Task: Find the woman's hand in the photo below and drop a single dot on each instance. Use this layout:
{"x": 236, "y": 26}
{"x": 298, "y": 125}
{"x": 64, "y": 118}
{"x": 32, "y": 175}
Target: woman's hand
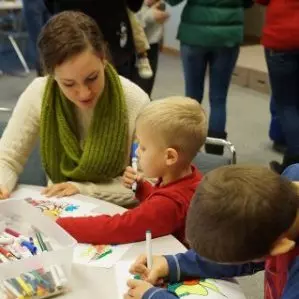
{"x": 60, "y": 190}
{"x": 4, "y": 194}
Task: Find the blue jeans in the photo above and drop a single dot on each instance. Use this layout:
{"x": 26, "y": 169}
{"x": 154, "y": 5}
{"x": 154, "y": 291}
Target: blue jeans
{"x": 36, "y": 15}
{"x": 275, "y": 130}
{"x": 221, "y": 62}
{"x": 283, "y": 69}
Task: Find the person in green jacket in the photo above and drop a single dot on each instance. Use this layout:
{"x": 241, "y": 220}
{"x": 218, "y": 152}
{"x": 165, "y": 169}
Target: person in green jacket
{"x": 210, "y": 33}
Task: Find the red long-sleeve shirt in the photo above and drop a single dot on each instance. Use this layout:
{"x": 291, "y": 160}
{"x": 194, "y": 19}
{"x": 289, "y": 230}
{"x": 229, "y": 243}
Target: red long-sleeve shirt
{"x": 162, "y": 210}
{"x": 281, "y": 29}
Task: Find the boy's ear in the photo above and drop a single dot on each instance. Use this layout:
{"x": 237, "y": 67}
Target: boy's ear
{"x": 281, "y": 246}
{"x": 171, "y": 156}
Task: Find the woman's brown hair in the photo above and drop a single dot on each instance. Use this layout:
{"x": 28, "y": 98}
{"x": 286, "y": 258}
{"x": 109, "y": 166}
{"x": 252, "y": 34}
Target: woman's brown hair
{"x": 67, "y": 34}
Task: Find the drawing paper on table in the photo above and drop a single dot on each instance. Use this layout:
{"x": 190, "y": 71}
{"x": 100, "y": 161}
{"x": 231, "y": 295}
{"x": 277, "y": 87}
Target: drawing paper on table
{"x": 122, "y": 275}
{"x": 58, "y": 207}
{"x": 104, "y": 256}
{"x": 193, "y": 289}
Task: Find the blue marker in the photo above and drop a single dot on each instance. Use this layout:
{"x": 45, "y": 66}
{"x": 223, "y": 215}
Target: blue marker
{"x": 30, "y": 246}
{"x": 134, "y": 163}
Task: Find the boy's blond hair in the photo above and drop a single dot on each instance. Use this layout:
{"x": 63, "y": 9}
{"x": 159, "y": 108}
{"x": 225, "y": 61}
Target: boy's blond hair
{"x": 180, "y": 122}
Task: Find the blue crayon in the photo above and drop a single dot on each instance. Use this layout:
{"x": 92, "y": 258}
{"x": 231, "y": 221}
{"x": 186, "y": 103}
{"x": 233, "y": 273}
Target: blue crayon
{"x": 32, "y": 248}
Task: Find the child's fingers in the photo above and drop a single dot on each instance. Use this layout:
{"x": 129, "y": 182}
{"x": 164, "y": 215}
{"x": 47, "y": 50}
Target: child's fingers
{"x": 139, "y": 269}
{"x": 131, "y": 176}
{"x": 128, "y": 181}
{"x": 130, "y": 169}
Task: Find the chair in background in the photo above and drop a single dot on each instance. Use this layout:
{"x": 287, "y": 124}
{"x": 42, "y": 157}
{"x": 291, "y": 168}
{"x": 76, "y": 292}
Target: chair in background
{"x": 207, "y": 162}
{"x": 11, "y": 28}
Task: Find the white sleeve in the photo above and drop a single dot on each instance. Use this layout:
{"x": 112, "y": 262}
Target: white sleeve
{"x": 21, "y": 133}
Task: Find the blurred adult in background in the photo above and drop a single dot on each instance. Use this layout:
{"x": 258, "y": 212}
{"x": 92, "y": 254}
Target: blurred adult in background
{"x": 210, "y": 33}
{"x": 152, "y": 16}
{"x": 281, "y": 42}
{"x": 112, "y": 18}
{"x": 275, "y": 129}
{"x": 36, "y": 16}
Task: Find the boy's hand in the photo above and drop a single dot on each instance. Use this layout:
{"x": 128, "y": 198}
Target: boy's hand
{"x": 130, "y": 176}
{"x": 4, "y": 194}
{"x": 159, "y": 269}
{"x": 137, "y": 289}
{"x": 60, "y": 190}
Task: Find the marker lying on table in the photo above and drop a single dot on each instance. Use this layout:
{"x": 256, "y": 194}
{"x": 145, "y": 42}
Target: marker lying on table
{"x": 17, "y": 235}
{"x": 56, "y": 272}
{"x": 7, "y": 254}
{"x": 149, "y": 256}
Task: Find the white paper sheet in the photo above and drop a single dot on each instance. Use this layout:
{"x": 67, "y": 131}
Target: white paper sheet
{"x": 70, "y": 207}
{"x": 208, "y": 289}
{"x": 84, "y": 252}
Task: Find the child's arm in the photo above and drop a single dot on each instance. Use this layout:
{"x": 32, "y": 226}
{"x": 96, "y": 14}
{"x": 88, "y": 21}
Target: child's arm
{"x": 190, "y": 264}
{"x": 159, "y": 214}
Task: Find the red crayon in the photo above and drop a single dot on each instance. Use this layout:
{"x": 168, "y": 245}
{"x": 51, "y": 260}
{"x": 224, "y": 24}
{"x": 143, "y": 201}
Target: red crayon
{"x": 6, "y": 253}
{"x": 12, "y": 232}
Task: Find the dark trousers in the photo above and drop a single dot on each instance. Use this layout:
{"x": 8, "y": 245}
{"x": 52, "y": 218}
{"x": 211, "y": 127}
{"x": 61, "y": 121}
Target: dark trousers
{"x": 36, "y": 15}
{"x": 283, "y": 69}
{"x": 221, "y": 62}
{"x": 153, "y": 56}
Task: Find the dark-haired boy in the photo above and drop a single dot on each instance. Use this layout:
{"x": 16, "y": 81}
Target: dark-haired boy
{"x": 239, "y": 217}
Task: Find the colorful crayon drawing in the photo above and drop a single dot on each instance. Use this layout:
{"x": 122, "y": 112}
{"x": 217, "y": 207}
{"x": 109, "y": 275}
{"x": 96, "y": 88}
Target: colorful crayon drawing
{"x": 200, "y": 287}
{"x": 96, "y": 252}
{"x": 51, "y": 207}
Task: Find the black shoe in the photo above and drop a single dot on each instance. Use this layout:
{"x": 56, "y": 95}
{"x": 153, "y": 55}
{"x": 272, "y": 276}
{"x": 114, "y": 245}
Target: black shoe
{"x": 287, "y": 161}
{"x": 214, "y": 148}
{"x": 276, "y": 167}
{"x": 279, "y": 147}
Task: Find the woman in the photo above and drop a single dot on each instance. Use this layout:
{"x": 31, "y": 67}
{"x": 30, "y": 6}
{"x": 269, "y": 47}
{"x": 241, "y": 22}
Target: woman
{"x": 281, "y": 42}
{"x": 210, "y": 33}
{"x": 83, "y": 111}
{"x": 112, "y": 17}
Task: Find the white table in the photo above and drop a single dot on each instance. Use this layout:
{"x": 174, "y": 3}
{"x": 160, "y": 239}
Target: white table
{"x": 89, "y": 282}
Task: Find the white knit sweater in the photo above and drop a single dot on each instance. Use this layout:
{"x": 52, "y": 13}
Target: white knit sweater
{"x": 22, "y": 131}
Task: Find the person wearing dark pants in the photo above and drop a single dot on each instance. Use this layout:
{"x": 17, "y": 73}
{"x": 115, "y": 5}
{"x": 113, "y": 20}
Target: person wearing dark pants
{"x": 148, "y": 84}
{"x": 36, "y": 16}
{"x": 152, "y": 16}
{"x": 275, "y": 130}
{"x": 112, "y": 18}
{"x": 210, "y": 33}
{"x": 281, "y": 41}
{"x": 283, "y": 69}
{"x": 221, "y": 62}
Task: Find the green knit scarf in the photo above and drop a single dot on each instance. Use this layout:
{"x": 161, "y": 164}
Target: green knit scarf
{"x": 105, "y": 147}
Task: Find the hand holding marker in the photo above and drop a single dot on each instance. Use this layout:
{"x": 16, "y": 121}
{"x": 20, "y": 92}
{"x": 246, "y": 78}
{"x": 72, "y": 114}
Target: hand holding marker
{"x": 134, "y": 163}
